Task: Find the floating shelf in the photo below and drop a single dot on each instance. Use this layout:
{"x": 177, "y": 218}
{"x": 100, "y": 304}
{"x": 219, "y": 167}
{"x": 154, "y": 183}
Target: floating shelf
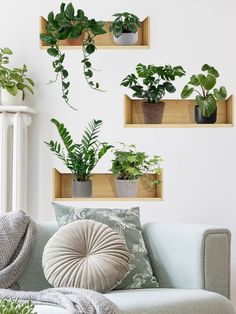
{"x": 105, "y": 41}
{"x": 177, "y": 114}
{"x": 103, "y": 189}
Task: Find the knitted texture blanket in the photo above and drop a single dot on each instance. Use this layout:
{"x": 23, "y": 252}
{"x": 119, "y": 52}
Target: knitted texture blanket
{"x": 75, "y": 301}
{"x": 17, "y": 236}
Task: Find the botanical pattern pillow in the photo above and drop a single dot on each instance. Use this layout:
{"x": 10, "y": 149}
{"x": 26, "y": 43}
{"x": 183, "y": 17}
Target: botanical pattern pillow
{"x": 127, "y": 223}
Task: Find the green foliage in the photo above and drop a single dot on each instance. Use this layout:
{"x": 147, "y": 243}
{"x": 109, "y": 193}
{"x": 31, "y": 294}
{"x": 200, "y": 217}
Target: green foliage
{"x": 15, "y": 307}
{"x": 129, "y": 164}
{"x": 207, "y": 95}
{"x": 124, "y": 23}
{"x": 71, "y": 24}
{"x": 13, "y": 79}
{"x": 80, "y": 158}
{"x": 152, "y": 82}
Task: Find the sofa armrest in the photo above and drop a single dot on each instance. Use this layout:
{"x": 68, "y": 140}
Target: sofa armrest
{"x": 189, "y": 256}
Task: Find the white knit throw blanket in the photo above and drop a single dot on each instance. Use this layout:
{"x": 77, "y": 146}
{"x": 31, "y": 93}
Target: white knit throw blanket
{"x": 17, "y": 236}
{"x": 75, "y": 301}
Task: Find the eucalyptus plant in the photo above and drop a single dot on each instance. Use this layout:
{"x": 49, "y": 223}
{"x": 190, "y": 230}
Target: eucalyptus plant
{"x": 203, "y": 84}
{"x": 15, "y": 307}
{"x": 151, "y": 82}
{"x": 124, "y": 23}
{"x": 14, "y": 79}
{"x": 130, "y": 164}
{"x": 71, "y": 24}
{"x": 80, "y": 158}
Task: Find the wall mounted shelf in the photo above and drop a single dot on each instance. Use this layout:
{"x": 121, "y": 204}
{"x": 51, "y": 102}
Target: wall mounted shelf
{"x": 103, "y": 189}
{"x": 105, "y": 41}
{"x": 177, "y": 114}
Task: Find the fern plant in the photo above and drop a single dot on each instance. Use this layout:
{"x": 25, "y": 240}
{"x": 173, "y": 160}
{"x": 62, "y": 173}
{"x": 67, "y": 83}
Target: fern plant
{"x": 79, "y": 158}
{"x": 15, "y": 307}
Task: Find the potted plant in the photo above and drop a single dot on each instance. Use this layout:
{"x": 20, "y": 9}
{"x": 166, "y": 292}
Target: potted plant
{"x": 207, "y": 96}
{"x": 80, "y": 158}
{"x": 16, "y": 307}
{"x": 151, "y": 84}
{"x": 13, "y": 82}
{"x": 73, "y": 25}
{"x": 125, "y": 28}
{"x": 128, "y": 165}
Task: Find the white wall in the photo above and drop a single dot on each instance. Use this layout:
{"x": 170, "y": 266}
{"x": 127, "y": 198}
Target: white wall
{"x": 200, "y": 172}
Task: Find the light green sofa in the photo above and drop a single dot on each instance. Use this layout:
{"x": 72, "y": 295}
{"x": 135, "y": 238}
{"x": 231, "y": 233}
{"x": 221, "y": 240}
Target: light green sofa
{"x": 191, "y": 262}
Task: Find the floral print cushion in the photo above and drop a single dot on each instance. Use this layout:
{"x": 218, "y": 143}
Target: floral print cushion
{"x": 127, "y": 223}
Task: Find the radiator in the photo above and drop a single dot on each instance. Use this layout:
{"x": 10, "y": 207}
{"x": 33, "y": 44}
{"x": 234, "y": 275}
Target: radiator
{"x": 14, "y": 123}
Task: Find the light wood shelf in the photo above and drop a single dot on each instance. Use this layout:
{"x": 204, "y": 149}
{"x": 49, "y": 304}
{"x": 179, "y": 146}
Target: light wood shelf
{"x": 103, "y": 188}
{"x": 105, "y": 41}
{"x": 177, "y": 114}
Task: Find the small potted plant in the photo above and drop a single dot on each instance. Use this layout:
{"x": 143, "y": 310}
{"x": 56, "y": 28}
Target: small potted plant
{"x": 80, "y": 158}
{"x": 125, "y": 28}
{"x": 128, "y": 165}
{"x": 13, "y": 82}
{"x": 16, "y": 307}
{"x": 207, "y": 96}
{"x": 151, "y": 84}
{"x": 73, "y": 25}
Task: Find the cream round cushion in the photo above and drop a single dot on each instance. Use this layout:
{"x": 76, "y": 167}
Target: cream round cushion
{"x": 86, "y": 254}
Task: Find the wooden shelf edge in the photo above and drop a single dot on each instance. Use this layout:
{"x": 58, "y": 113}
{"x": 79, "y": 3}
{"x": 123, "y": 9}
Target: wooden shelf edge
{"x": 96, "y": 199}
{"x": 115, "y": 47}
{"x": 216, "y": 125}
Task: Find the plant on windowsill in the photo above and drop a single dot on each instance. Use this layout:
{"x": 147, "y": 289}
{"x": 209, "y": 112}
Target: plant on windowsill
{"x": 71, "y": 25}
{"x": 80, "y": 158}
{"x": 125, "y": 28}
{"x": 207, "y": 95}
{"x": 15, "y": 307}
{"x": 13, "y": 82}
{"x": 128, "y": 165}
{"x": 151, "y": 84}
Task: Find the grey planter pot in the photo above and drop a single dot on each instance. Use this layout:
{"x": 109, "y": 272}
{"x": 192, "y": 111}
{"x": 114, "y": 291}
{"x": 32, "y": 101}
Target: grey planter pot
{"x": 127, "y": 188}
{"x": 81, "y": 189}
{"x": 126, "y": 39}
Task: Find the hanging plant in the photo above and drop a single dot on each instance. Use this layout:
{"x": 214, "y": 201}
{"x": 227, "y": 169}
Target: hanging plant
{"x": 69, "y": 24}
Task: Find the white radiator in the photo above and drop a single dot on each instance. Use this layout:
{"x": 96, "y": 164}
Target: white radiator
{"x": 14, "y": 122}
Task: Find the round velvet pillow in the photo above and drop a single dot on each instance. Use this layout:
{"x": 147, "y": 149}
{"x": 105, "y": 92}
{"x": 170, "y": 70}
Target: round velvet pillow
{"x": 86, "y": 254}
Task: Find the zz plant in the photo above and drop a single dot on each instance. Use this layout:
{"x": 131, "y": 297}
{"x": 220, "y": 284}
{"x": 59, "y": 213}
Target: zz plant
{"x": 204, "y": 85}
{"x": 15, "y": 307}
{"x": 124, "y": 23}
{"x": 71, "y": 24}
{"x": 13, "y": 80}
{"x": 151, "y": 82}
{"x": 79, "y": 158}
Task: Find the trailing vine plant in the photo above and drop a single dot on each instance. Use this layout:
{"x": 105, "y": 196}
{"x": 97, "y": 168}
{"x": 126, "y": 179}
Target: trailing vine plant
{"x": 71, "y": 24}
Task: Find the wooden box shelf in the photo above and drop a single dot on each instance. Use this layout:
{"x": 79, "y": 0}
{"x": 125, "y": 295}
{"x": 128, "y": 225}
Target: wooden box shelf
{"x": 105, "y": 41}
{"x": 103, "y": 189}
{"x": 177, "y": 114}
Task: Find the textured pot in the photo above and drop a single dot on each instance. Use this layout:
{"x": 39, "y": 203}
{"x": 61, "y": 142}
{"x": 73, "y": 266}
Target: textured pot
{"x": 81, "y": 188}
{"x": 9, "y": 100}
{"x": 153, "y": 112}
{"x": 126, "y": 39}
{"x": 127, "y": 188}
{"x": 199, "y": 118}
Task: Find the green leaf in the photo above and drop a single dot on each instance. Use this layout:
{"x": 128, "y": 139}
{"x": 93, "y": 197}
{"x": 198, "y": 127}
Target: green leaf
{"x": 51, "y": 17}
{"x": 52, "y": 52}
{"x": 186, "y": 92}
{"x": 207, "y": 82}
{"x": 30, "y": 81}
{"x": 220, "y": 94}
{"x": 210, "y": 70}
{"x": 90, "y": 48}
{"x": 89, "y": 73}
{"x": 169, "y": 87}
{"x": 69, "y": 11}
{"x": 194, "y": 80}
{"x": 207, "y": 105}
{"x": 7, "y": 51}
{"x": 12, "y": 90}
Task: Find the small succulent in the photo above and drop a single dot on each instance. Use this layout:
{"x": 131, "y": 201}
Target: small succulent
{"x": 16, "y": 307}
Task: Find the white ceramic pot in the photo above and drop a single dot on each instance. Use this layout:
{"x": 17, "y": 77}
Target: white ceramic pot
{"x": 127, "y": 188}
{"x": 81, "y": 188}
{"x": 9, "y": 100}
{"x": 126, "y": 39}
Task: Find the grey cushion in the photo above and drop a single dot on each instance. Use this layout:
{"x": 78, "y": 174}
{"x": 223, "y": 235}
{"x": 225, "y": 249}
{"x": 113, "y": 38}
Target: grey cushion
{"x": 127, "y": 223}
{"x": 86, "y": 254}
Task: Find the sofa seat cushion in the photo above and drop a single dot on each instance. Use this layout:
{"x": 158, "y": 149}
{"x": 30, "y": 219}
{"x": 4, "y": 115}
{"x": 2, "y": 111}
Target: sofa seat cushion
{"x": 170, "y": 301}
{"x": 48, "y": 309}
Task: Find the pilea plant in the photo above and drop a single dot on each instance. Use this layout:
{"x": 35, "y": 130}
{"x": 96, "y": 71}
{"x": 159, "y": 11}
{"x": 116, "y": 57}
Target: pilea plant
{"x": 14, "y": 79}
{"x": 71, "y": 24}
{"x": 124, "y": 23}
{"x": 203, "y": 84}
{"x": 15, "y": 307}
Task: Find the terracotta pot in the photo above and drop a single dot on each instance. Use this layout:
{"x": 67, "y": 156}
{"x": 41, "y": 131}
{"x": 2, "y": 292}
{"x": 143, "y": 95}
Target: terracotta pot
{"x": 81, "y": 188}
{"x": 199, "y": 117}
{"x": 127, "y": 188}
{"x": 153, "y": 112}
{"x": 73, "y": 42}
